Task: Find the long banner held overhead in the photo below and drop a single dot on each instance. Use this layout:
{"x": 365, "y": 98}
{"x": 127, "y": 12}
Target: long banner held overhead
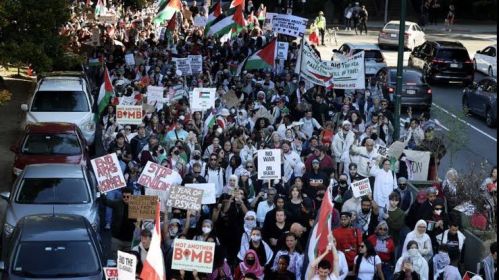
{"x": 289, "y": 25}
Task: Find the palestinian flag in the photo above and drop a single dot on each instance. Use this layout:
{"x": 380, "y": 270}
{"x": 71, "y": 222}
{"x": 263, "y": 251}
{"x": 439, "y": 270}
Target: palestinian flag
{"x": 204, "y": 94}
{"x": 168, "y": 11}
{"x": 105, "y": 93}
{"x": 236, "y": 3}
{"x": 239, "y": 21}
{"x": 261, "y": 59}
{"x": 215, "y": 11}
{"x": 318, "y": 239}
{"x": 172, "y": 23}
{"x": 209, "y": 122}
{"x": 222, "y": 25}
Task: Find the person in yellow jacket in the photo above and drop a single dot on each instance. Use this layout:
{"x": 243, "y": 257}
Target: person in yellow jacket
{"x": 320, "y": 24}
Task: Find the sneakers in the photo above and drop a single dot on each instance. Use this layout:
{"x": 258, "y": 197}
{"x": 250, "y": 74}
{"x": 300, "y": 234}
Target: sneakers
{"x": 107, "y": 226}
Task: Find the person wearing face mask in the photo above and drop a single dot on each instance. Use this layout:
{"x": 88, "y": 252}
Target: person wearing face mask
{"x": 422, "y": 239}
{"x": 206, "y": 232}
{"x": 341, "y": 192}
{"x": 341, "y": 146}
{"x": 406, "y": 196}
{"x": 196, "y": 158}
{"x": 438, "y": 262}
{"x": 385, "y": 248}
{"x": 249, "y": 265}
{"x": 254, "y": 242}
{"x": 419, "y": 263}
{"x": 438, "y": 222}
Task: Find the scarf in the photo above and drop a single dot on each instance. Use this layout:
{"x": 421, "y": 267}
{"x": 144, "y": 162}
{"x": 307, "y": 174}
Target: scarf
{"x": 440, "y": 261}
{"x": 256, "y": 268}
{"x": 363, "y": 220}
{"x": 385, "y": 236}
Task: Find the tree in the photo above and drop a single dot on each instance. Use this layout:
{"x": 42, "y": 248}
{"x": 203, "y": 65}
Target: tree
{"x": 456, "y": 134}
{"x": 30, "y": 32}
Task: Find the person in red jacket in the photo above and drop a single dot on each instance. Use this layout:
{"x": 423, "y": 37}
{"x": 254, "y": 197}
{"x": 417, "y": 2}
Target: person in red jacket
{"x": 385, "y": 248}
{"x": 348, "y": 238}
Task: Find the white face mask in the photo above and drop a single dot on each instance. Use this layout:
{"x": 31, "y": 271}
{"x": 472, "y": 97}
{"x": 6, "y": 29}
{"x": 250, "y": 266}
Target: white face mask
{"x": 256, "y": 238}
{"x": 206, "y": 230}
{"x": 412, "y": 252}
{"x": 438, "y": 212}
{"x": 173, "y": 231}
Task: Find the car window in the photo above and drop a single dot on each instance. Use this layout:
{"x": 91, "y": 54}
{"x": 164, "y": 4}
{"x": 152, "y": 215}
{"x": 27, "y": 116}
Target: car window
{"x": 51, "y": 144}
{"x": 408, "y": 77}
{"x": 60, "y": 101}
{"x": 492, "y": 52}
{"x": 395, "y": 26}
{"x": 53, "y": 191}
{"x": 426, "y": 49}
{"x": 417, "y": 27}
{"x": 453, "y": 54}
{"x": 55, "y": 259}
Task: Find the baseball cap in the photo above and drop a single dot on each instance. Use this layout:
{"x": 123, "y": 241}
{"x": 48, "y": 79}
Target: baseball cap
{"x": 316, "y": 161}
{"x": 402, "y": 180}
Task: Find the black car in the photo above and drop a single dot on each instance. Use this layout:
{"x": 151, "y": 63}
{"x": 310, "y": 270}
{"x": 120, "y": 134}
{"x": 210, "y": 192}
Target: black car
{"x": 481, "y": 99}
{"x": 443, "y": 61}
{"x": 53, "y": 246}
{"x": 415, "y": 90}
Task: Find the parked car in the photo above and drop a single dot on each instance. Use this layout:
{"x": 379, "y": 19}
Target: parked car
{"x": 415, "y": 90}
{"x": 49, "y": 143}
{"x": 63, "y": 99}
{"x": 486, "y": 60}
{"x": 51, "y": 188}
{"x": 374, "y": 59}
{"x": 389, "y": 35}
{"x": 481, "y": 99}
{"x": 53, "y": 246}
{"x": 443, "y": 61}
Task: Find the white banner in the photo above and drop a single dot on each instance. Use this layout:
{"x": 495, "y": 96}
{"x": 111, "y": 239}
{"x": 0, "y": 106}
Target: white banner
{"x": 183, "y": 64}
{"x": 418, "y": 163}
{"x": 289, "y": 25}
{"x": 108, "y": 173}
{"x": 196, "y": 63}
{"x": 269, "y": 164}
{"x": 208, "y": 192}
{"x": 349, "y": 73}
{"x": 267, "y": 25}
{"x": 361, "y": 188}
{"x": 203, "y": 99}
{"x": 129, "y": 114}
{"x": 127, "y": 264}
{"x": 282, "y": 50}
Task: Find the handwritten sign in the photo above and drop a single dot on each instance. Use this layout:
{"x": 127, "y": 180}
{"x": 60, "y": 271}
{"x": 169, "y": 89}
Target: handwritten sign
{"x": 142, "y": 207}
{"x": 127, "y": 264}
{"x": 183, "y": 64}
{"x": 129, "y": 114}
{"x": 190, "y": 255}
{"x": 196, "y": 63}
{"x": 209, "y": 195}
{"x": 269, "y": 164}
{"x": 289, "y": 25}
{"x": 185, "y": 198}
{"x": 282, "y": 50}
{"x": 361, "y": 188}
{"x": 108, "y": 173}
{"x": 155, "y": 96}
{"x": 155, "y": 176}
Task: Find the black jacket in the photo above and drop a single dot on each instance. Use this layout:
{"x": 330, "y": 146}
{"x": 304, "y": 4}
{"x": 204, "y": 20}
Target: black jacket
{"x": 121, "y": 227}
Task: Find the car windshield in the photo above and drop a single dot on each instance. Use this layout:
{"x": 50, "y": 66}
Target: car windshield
{"x": 409, "y": 77}
{"x": 52, "y": 144}
{"x": 395, "y": 26}
{"x": 453, "y": 54}
{"x": 55, "y": 259}
{"x": 53, "y": 191}
{"x": 60, "y": 101}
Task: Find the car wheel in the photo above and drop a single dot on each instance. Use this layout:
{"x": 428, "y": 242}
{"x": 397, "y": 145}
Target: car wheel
{"x": 489, "y": 119}
{"x": 490, "y": 72}
{"x": 466, "y": 107}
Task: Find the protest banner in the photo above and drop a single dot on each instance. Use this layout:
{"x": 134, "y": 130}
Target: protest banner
{"x": 155, "y": 96}
{"x": 108, "y": 18}
{"x": 267, "y": 25}
{"x": 282, "y": 50}
{"x": 157, "y": 181}
{"x": 349, "y": 73}
{"x": 183, "y": 64}
{"x": 108, "y": 172}
{"x": 130, "y": 59}
{"x": 127, "y": 264}
{"x": 361, "y": 188}
{"x": 269, "y": 164}
{"x": 208, "y": 192}
{"x": 190, "y": 255}
{"x": 418, "y": 163}
{"x": 203, "y": 99}
{"x": 289, "y": 25}
{"x": 111, "y": 273}
{"x": 196, "y": 63}
{"x": 200, "y": 21}
{"x": 129, "y": 114}
{"x": 185, "y": 198}
{"x": 142, "y": 207}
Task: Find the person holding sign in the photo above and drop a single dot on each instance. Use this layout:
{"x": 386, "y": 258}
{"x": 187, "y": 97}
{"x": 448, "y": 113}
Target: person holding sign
{"x": 384, "y": 183}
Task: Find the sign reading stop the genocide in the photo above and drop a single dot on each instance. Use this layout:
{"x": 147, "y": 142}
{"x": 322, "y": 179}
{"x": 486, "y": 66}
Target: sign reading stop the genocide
{"x": 108, "y": 173}
{"x": 156, "y": 177}
{"x": 190, "y": 255}
{"x": 361, "y": 188}
{"x": 269, "y": 164}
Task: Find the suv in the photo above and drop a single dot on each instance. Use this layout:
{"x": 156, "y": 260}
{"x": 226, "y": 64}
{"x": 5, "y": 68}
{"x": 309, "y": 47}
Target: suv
{"x": 374, "y": 59}
{"x": 443, "y": 61}
{"x": 63, "y": 98}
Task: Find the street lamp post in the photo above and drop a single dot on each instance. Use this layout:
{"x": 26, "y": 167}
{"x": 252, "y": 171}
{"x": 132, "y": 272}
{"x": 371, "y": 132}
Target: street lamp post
{"x": 400, "y": 69}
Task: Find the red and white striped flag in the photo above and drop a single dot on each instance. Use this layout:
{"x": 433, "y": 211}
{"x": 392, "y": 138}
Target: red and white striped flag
{"x": 154, "y": 266}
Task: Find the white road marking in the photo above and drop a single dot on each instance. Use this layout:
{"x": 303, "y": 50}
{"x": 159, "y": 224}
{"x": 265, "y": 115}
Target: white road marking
{"x": 441, "y": 125}
{"x": 465, "y": 122}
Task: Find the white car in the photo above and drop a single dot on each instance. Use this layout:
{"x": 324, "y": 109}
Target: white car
{"x": 374, "y": 59}
{"x": 62, "y": 99}
{"x": 486, "y": 60}
{"x": 413, "y": 36}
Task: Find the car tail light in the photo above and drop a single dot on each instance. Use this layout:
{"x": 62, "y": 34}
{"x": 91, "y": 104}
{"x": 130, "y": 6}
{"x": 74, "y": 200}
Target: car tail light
{"x": 391, "y": 90}
{"x": 406, "y": 34}
{"x": 437, "y": 61}
{"x": 428, "y": 91}
{"x": 468, "y": 62}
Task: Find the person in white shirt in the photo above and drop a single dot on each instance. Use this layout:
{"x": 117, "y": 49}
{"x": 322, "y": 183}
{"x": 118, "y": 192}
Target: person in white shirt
{"x": 320, "y": 269}
{"x": 341, "y": 146}
{"x": 309, "y": 124}
{"x": 422, "y": 238}
{"x": 213, "y": 173}
{"x": 384, "y": 183}
{"x": 366, "y": 157}
{"x": 291, "y": 160}
{"x": 247, "y": 152}
{"x": 367, "y": 263}
{"x": 265, "y": 206}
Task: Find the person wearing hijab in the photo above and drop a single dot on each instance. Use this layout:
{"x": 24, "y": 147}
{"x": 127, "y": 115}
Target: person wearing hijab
{"x": 250, "y": 264}
{"x": 384, "y": 246}
{"x": 439, "y": 261}
{"x": 419, "y": 263}
{"x": 251, "y": 239}
{"x": 422, "y": 239}
{"x": 407, "y": 272}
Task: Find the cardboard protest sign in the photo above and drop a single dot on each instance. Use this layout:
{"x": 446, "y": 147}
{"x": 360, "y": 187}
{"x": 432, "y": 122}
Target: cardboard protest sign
{"x": 183, "y": 64}
{"x": 361, "y": 188}
{"x": 208, "y": 192}
{"x": 108, "y": 173}
{"x": 269, "y": 164}
{"x": 185, "y": 198}
{"x": 129, "y": 114}
{"x": 230, "y": 99}
{"x": 157, "y": 181}
{"x": 196, "y": 63}
{"x": 142, "y": 207}
{"x": 203, "y": 99}
{"x": 111, "y": 273}
{"x": 155, "y": 96}
{"x": 282, "y": 50}
{"x": 130, "y": 59}
{"x": 108, "y": 18}
{"x": 396, "y": 149}
{"x": 418, "y": 163}
{"x": 289, "y": 25}
{"x": 127, "y": 264}
{"x": 192, "y": 255}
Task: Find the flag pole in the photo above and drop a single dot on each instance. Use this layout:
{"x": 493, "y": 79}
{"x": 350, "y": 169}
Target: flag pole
{"x": 301, "y": 58}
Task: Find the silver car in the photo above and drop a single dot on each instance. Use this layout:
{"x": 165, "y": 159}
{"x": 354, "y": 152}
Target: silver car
{"x": 51, "y": 189}
{"x": 413, "y": 35}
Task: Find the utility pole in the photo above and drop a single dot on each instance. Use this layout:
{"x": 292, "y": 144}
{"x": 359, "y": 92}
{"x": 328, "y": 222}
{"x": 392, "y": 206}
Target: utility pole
{"x": 400, "y": 69}
{"x": 386, "y": 11}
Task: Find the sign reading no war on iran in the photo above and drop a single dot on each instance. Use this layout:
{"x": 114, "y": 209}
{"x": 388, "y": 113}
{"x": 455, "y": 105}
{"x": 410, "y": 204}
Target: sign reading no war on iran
{"x": 269, "y": 164}
{"x": 289, "y": 25}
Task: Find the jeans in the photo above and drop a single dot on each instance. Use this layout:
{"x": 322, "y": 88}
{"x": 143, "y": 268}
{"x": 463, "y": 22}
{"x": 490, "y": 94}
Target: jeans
{"x": 387, "y": 271}
{"x": 112, "y": 195}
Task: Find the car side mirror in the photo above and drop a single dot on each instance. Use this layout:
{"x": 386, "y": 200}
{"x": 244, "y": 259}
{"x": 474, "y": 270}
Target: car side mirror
{"x": 24, "y": 107}
{"x": 335, "y": 51}
{"x": 5, "y": 195}
{"x": 14, "y": 148}
{"x": 478, "y": 52}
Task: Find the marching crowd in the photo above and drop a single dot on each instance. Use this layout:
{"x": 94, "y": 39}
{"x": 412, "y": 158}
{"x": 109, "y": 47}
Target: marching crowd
{"x": 329, "y": 139}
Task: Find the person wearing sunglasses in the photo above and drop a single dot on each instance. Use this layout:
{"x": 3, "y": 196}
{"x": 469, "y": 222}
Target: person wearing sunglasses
{"x": 213, "y": 173}
{"x": 368, "y": 264}
{"x": 385, "y": 247}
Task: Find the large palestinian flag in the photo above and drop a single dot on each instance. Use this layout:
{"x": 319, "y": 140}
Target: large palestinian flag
{"x": 167, "y": 10}
{"x": 215, "y": 11}
{"x": 233, "y": 21}
{"x": 262, "y": 59}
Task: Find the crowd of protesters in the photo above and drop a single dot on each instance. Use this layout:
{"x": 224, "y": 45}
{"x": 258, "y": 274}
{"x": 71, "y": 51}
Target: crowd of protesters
{"x": 328, "y": 138}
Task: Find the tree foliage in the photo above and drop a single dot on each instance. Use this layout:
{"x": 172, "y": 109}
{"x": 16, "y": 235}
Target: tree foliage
{"x": 30, "y": 32}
